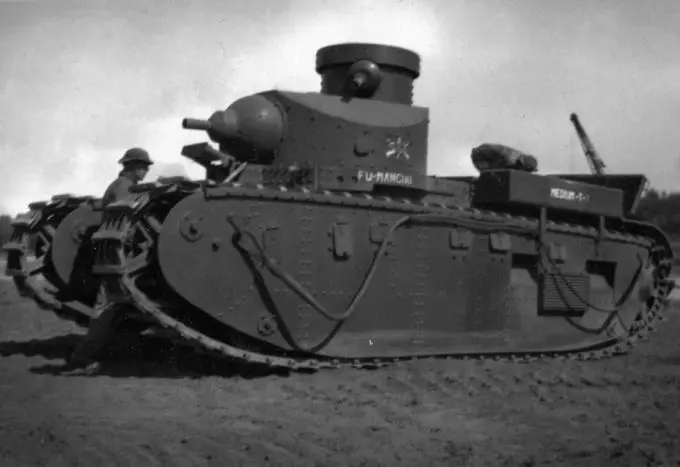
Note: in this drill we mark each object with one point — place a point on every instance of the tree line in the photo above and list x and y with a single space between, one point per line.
663 209
659 207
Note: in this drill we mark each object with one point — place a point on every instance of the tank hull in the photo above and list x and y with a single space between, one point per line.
345 277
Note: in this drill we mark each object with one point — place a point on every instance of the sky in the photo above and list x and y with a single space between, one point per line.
80 82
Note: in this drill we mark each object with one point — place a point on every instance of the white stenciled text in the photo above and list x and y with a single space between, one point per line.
568 195
394 178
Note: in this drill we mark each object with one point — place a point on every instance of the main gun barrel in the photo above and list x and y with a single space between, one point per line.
195 124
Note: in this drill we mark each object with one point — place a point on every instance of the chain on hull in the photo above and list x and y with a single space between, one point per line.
36 278
246 349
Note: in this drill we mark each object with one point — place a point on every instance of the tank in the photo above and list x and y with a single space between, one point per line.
318 239
50 258
36 255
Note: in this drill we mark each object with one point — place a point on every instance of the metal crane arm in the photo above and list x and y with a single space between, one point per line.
594 161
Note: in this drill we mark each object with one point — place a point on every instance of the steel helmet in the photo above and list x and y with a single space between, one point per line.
136 155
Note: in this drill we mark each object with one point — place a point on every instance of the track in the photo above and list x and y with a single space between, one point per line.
33 277
126 220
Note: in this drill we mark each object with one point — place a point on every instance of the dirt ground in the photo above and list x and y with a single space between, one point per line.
156 411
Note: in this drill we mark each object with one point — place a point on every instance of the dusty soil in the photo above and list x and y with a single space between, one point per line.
155 410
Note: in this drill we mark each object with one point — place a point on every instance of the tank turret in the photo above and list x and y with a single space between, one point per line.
360 131
250 129
369 71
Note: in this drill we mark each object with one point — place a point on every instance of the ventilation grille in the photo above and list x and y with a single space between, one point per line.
564 294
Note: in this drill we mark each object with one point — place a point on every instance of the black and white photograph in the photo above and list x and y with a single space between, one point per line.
339 233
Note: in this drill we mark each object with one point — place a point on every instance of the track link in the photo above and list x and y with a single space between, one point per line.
163 313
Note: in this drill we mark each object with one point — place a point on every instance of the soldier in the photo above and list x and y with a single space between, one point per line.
136 162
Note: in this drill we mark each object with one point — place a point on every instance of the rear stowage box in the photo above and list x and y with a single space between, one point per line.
514 187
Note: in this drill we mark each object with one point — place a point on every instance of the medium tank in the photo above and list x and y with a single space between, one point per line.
38 252
318 240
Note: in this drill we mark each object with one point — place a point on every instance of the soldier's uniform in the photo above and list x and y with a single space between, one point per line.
118 189
103 324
